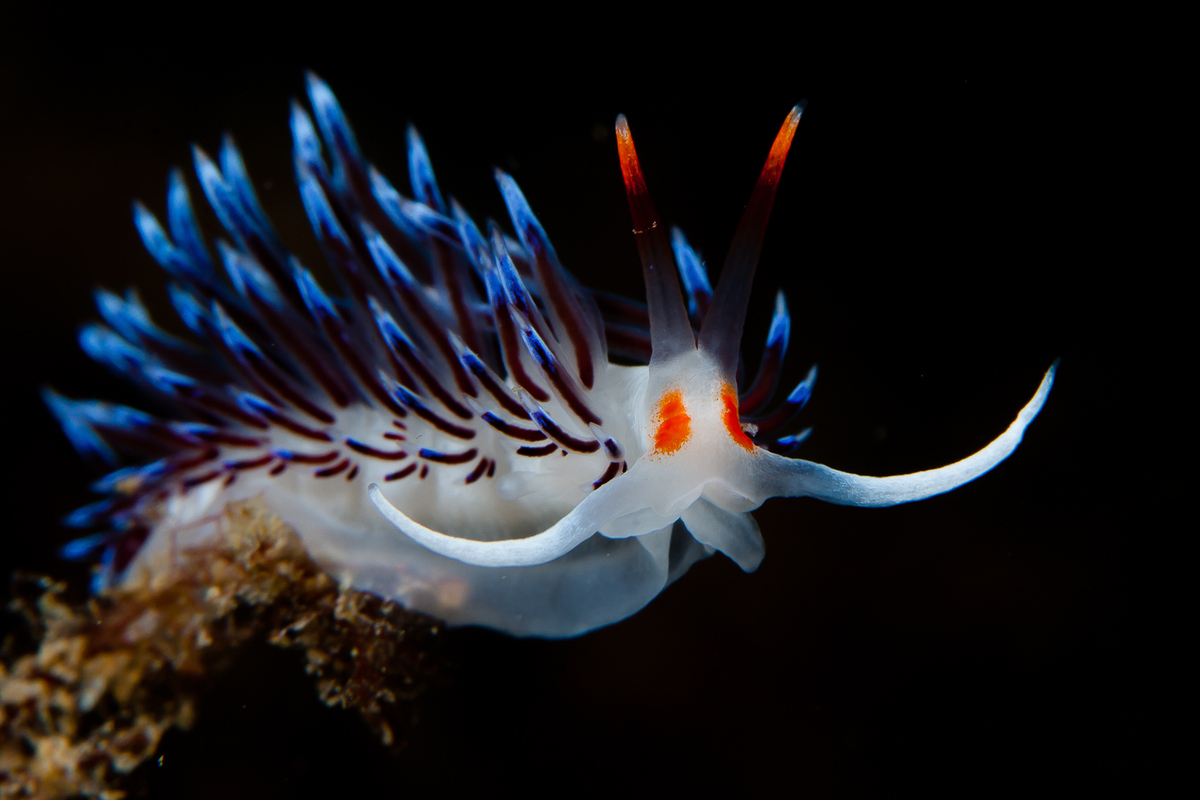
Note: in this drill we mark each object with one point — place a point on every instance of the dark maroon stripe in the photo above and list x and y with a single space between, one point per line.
396 437
403 376
188 483
129 542
329 472
278 468
568 441
426 376
535 452
628 342
609 474
437 334
492 469
164 433
185 464
501 393
367 450
251 463
307 458
403 473
335 332
615 308
398 424
141 441
345 257
457 284
613 448
441 424
477 473
246 375
282 384
565 306
510 349
284 421
448 458
396 239
515 431
765 382
424 471
353 473
567 392
556 372
308 353
780 418
226 409
230 478
220 437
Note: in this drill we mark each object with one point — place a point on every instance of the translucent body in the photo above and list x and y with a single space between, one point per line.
450 433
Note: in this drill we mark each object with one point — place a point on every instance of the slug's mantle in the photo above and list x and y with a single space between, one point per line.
449 431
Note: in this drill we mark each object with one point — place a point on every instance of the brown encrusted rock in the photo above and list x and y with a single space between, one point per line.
109 678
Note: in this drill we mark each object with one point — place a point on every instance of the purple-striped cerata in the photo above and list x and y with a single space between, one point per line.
446 429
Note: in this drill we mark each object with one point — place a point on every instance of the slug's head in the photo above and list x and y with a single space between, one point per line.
702 458
694 412
697 458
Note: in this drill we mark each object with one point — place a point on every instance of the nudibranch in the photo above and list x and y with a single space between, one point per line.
448 430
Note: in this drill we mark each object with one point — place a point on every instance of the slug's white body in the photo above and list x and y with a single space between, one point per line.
472 455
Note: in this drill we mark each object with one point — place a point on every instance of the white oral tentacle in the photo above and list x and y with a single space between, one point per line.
624 495
797 478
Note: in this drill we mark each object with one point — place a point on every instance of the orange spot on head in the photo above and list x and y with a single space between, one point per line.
729 415
674 426
645 216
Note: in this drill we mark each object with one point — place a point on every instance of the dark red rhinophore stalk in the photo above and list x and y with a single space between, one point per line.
721 334
670 330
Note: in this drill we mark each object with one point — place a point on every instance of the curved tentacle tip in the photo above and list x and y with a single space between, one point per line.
552 543
798 478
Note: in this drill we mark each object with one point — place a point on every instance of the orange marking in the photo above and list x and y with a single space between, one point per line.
674 424
641 207
779 149
729 415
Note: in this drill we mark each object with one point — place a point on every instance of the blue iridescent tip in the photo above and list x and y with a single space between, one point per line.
175 261
248 277
420 174
238 180
332 121
306 145
106 347
77 427
803 390
317 302
181 221
693 275
529 229
781 323
190 311
80 549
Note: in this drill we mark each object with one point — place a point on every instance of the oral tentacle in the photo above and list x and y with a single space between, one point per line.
597 508
782 477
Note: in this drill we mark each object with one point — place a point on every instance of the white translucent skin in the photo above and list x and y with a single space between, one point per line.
531 552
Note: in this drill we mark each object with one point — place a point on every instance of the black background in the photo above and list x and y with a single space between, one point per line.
956 213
